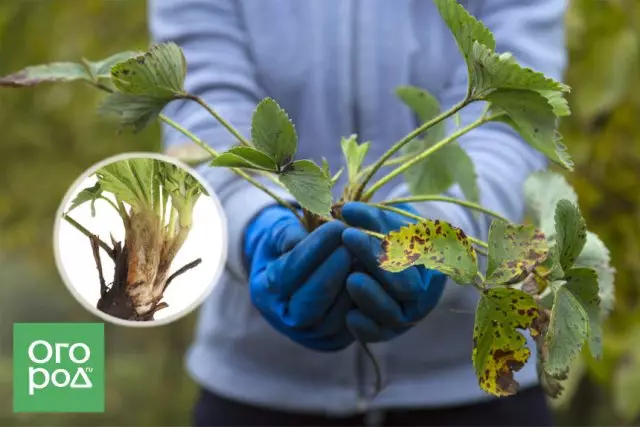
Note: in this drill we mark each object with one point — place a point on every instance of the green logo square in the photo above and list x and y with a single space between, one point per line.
58 367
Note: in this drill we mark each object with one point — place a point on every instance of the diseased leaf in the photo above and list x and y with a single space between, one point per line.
514 251
354 155
595 255
158 73
571 233
499 349
273 133
583 284
132 111
46 73
245 157
436 245
89 194
102 68
567 332
531 115
542 191
309 185
425 105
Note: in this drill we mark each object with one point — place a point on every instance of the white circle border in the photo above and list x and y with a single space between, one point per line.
131 323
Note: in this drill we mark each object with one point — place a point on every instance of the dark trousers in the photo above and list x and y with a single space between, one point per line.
527 408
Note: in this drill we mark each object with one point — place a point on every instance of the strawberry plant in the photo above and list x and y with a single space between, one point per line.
549 277
160 197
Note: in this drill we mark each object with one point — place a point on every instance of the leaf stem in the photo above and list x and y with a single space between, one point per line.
213 153
220 119
420 157
438 198
405 140
90 235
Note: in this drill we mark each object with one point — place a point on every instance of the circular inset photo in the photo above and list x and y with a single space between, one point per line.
140 239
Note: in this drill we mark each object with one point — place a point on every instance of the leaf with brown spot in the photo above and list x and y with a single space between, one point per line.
436 245
514 250
571 233
499 348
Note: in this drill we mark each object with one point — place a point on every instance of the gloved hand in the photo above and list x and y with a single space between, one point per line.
388 304
297 279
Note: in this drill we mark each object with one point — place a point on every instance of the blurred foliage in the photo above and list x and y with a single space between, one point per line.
51 134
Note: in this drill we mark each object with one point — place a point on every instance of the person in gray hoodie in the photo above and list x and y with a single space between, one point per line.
275 339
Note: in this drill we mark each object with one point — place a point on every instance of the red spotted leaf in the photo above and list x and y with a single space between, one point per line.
436 245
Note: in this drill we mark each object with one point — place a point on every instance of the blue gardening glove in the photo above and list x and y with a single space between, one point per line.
388 304
297 279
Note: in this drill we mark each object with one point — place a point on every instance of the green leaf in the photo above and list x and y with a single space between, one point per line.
273 133
436 245
131 181
102 68
46 73
500 71
514 251
571 233
245 157
466 29
89 194
354 155
309 185
542 191
531 115
158 73
425 105
132 111
499 349
567 332
443 168
595 255
583 284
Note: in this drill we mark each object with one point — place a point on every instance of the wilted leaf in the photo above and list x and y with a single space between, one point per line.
499 349
571 233
542 191
309 185
531 115
158 73
514 251
273 133
45 73
245 157
89 194
595 255
354 155
436 245
135 111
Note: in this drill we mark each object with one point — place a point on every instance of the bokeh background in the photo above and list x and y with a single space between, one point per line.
51 134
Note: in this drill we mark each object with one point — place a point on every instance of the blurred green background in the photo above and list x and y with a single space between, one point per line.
51 134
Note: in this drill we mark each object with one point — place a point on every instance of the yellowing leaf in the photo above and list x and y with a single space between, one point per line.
499 349
514 251
436 245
